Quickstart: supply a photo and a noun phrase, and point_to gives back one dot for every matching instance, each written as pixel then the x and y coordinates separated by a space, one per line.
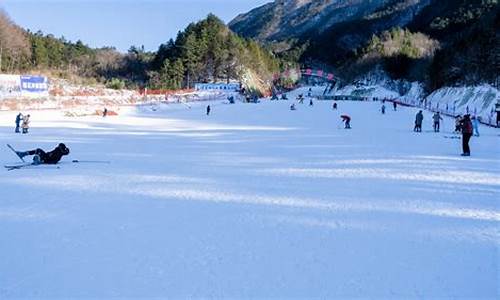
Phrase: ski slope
pixel 252 201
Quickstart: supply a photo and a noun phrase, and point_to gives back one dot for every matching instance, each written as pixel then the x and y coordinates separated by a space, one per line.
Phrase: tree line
pixel 206 51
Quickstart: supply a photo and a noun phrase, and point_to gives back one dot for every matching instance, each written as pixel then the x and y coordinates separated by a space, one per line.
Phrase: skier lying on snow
pixel 42 157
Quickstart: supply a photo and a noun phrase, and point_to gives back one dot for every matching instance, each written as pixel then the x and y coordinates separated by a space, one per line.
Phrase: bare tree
pixel 14 44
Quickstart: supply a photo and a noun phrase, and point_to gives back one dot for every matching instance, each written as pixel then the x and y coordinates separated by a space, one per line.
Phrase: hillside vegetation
pixel 206 51
pixel 443 42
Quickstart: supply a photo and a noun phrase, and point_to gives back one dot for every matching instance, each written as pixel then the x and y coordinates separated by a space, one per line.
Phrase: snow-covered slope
pixel 475 100
pixel 479 101
pixel 254 200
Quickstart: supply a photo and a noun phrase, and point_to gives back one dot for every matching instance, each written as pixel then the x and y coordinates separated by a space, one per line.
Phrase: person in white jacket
pixel 475 125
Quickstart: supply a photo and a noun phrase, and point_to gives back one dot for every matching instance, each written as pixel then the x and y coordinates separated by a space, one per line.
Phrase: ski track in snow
pixel 252 201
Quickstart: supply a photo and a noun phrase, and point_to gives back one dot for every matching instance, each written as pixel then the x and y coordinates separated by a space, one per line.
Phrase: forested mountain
pixel 460 38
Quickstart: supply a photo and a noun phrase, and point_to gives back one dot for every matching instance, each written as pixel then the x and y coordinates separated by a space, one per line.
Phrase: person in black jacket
pixel 42 157
pixel 467 132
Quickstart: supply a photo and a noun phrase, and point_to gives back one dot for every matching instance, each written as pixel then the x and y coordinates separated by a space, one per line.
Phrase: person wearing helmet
pixel 42 157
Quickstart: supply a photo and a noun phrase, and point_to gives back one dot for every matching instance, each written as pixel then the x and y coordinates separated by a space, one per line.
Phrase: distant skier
pixel 309 93
pixel 467 131
pixel 19 118
pixel 419 118
pixel 498 118
pixel 347 120
pixel 292 107
pixel 395 105
pixel 26 124
pixel 42 157
pixel 311 102
pixel 105 112
pixel 301 99
pixel 335 106
pixel 437 121
pixel 284 97
pixel 475 125
pixel 208 110
pixel 383 109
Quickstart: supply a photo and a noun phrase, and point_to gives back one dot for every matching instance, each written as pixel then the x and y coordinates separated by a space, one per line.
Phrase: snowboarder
pixel 208 110
pixel 19 118
pixel 383 109
pixel 42 157
pixel 335 106
pixel 475 125
pixel 347 120
pixel 419 118
pixel 437 121
pixel 292 107
pixel 458 124
pixel 26 124
pixel 466 126
pixel 395 105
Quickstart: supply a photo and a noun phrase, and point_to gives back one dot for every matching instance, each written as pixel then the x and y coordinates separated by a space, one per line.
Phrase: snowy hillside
pixel 254 200
pixel 475 100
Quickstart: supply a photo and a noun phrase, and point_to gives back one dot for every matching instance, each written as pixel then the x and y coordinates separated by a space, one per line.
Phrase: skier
pixel 475 125
pixel 437 118
pixel 311 102
pixel 347 120
pixel 105 112
pixel 383 109
pixel 458 122
pixel 26 124
pixel 309 93
pixel 208 110
pixel 395 105
pixel 19 118
pixel 292 107
pixel 42 157
pixel 498 118
pixel 335 106
pixel 419 118
pixel 466 126
pixel 284 97
pixel 301 99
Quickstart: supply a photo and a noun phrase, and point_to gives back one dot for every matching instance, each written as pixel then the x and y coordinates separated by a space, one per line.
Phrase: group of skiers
pixel 465 125
pixel 22 122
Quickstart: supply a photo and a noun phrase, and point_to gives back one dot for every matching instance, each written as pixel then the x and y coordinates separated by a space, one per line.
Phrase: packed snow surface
pixel 254 200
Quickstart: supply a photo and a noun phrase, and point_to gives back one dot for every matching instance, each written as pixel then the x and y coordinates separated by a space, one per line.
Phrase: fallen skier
pixel 42 157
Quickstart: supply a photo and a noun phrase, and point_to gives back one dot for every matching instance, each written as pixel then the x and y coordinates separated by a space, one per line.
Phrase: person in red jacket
pixel 347 120
pixel 467 131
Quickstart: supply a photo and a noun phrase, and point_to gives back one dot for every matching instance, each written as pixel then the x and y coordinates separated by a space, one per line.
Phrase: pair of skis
pixel 25 165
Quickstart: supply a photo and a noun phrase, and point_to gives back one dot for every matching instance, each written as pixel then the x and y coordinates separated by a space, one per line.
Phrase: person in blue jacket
pixel 19 118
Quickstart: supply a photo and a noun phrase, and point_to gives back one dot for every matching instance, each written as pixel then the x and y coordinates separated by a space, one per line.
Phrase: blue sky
pixel 119 23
